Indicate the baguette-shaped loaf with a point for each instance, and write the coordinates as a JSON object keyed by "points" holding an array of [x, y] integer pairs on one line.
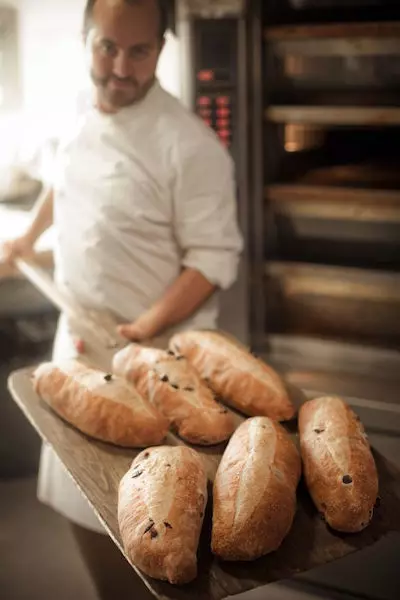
{"points": [[255, 491], [102, 406], [339, 468], [170, 383], [240, 379], [161, 507]]}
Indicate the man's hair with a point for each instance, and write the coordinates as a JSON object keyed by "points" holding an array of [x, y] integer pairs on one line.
{"points": [[162, 5]]}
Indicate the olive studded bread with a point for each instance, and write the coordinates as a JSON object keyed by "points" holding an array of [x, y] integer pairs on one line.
{"points": [[161, 505], [171, 384], [100, 405], [339, 468], [239, 378], [255, 491]]}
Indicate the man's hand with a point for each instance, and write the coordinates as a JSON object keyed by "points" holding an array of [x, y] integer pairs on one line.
{"points": [[144, 328], [182, 299], [12, 249], [42, 219]]}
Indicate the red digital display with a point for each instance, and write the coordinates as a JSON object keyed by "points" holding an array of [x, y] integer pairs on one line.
{"points": [[224, 134], [204, 101], [223, 123], [204, 112], [223, 112], [205, 75], [223, 100]]}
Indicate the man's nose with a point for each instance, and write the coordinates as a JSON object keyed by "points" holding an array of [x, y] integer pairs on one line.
{"points": [[122, 66]]}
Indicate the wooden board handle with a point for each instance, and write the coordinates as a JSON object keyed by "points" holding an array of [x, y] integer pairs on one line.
{"points": [[94, 327]]}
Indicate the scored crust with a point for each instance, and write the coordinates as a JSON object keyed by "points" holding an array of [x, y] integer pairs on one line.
{"points": [[102, 406], [239, 378], [339, 468], [170, 383], [161, 507], [254, 493]]}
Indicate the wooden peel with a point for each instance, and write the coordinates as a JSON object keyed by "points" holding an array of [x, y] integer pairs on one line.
{"points": [[98, 330]]}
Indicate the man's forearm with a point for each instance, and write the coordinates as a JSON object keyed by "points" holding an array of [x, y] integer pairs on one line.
{"points": [[182, 299], [42, 216], [187, 294]]}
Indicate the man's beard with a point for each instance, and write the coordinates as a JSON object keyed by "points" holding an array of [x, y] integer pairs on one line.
{"points": [[120, 98]]}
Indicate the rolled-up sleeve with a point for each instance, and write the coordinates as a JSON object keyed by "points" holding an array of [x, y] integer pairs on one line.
{"points": [[206, 220]]}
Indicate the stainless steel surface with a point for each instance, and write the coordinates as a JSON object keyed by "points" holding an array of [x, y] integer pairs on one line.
{"points": [[213, 9], [336, 39], [257, 204], [334, 115], [336, 281], [338, 302], [345, 46], [368, 377], [351, 211], [307, 212], [235, 308]]}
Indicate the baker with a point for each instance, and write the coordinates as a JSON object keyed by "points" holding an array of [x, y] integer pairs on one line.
{"points": [[144, 209]]}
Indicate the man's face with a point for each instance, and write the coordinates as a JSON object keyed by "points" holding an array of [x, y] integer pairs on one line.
{"points": [[124, 45]]}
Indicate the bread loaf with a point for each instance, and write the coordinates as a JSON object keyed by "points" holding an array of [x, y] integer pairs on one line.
{"points": [[175, 388], [339, 467], [100, 405], [255, 491], [240, 379], [161, 507]]}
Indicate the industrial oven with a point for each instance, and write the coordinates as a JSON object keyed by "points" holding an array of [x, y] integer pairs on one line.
{"points": [[306, 96]]}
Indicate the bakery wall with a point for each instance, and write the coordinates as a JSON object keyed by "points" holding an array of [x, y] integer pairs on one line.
{"points": [[50, 72]]}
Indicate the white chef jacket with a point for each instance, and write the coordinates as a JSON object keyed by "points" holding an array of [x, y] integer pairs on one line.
{"points": [[139, 195]]}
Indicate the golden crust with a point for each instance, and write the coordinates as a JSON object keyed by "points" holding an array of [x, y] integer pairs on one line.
{"points": [[255, 491], [339, 467], [240, 379], [161, 507], [107, 409], [175, 388]]}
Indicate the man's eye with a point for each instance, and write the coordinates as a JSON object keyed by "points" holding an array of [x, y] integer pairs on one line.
{"points": [[107, 48], [140, 53]]}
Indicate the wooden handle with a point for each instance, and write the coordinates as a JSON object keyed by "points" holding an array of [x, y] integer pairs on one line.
{"points": [[43, 282], [94, 328]]}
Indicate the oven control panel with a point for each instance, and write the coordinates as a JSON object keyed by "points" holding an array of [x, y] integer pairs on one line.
{"points": [[215, 53], [217, 111]]}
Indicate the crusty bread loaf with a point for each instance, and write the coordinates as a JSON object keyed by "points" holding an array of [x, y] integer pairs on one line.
{"points": [[161, 507], [240, 379], [255, 491], [176, 389], [105, 407], [339, 467]]}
